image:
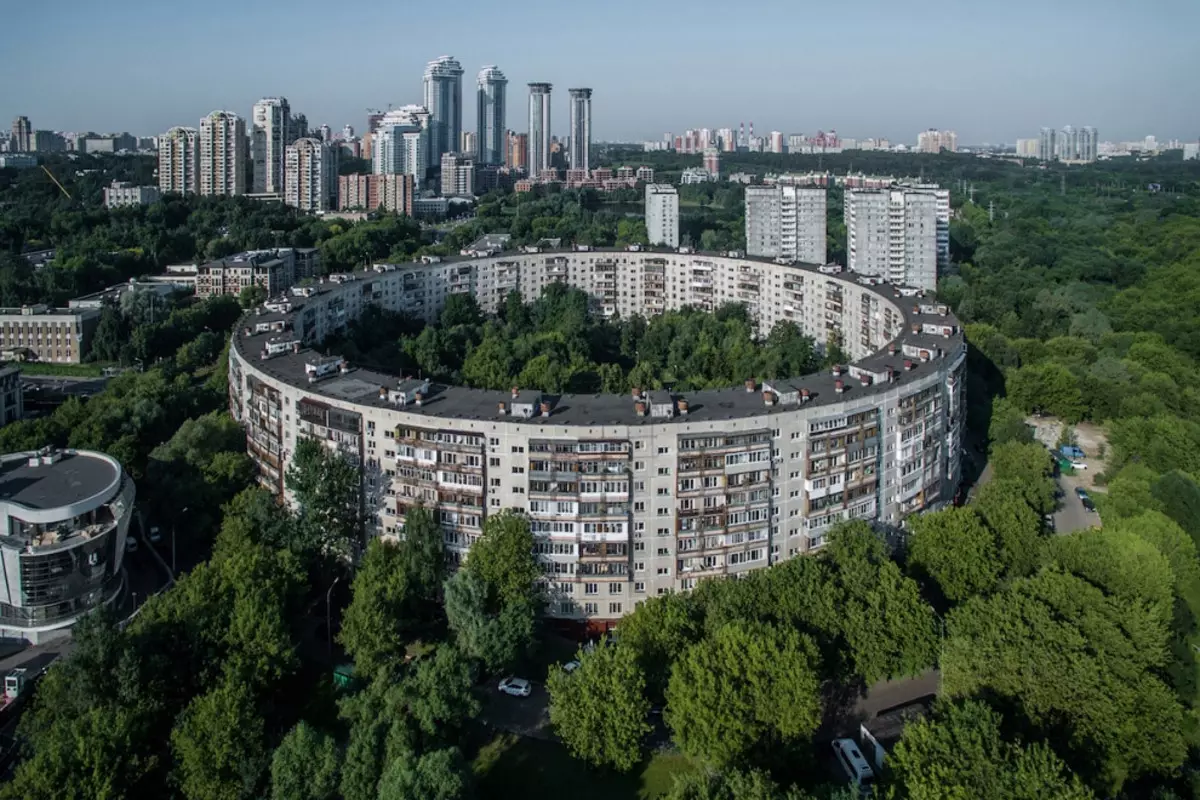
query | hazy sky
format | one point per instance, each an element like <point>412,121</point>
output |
<point>993,72</point>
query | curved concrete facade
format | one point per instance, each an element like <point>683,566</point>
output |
<point>64,516</point>
<point>629,495</point>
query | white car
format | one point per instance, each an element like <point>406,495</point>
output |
<point>155,534</point>
<point>1078,465</point>
<point>517,687</point>
<point>570,666</point>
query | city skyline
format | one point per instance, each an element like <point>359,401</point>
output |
<point>967,75</point>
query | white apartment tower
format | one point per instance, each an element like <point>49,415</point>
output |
<point>892,234</point>
<point>935,141</point>
<point>539,128</point>
<point>786,222</point>
<point>179,161</point>
<point>581,128</point>
<point>310,175</point>
<point>400,144</point>
<point>492,88</point>
<point>270,134</point>
<point>458,175</point>
<point>443,99</point>
<point>1048,144</point>
<point>222,154</point>
<point>662,214</point>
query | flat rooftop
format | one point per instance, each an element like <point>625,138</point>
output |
<point>71,479</point>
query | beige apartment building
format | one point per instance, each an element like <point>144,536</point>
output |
<point>42,333</point>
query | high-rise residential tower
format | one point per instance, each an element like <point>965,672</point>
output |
<point>581,128</point>
<point>22,135</point>
<point>539,128</point>
<point>491,108</point>
<point>786,222</point>
<point>893,234</point>
<point>443,99</point>
<point>222,154</point>
<point>310,179</point>
<point>662,214</point>
<point>1048,144</point>
<point>400,144</point>
<point>518,151</point>
<point>179,161</point>
<point>270,134</point>
<point>1088,144</point>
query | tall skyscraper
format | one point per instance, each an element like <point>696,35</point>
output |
<point>179,161</point>
<point>443,99</point>
<point>491,110</point>
<point>935,141</point>
<point>270,134</point>
<point>786,222</point>
<point>469,144</point>
<point>518,151</point>
<point>539,128</point>
<point>1088,144</point>
<point>1048,144</point>
<point>581,128</point>
<point>712,162</point>
<point>458,175</point>
<point>662,214</point>
<point>223,154</point>
<point>22,135</point>
<point>310,181</point>
<point>775,142</point>
<point>400,144</point>
<point>892,234</point>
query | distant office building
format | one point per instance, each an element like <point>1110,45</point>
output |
<point>580,145</point>
<point>518,151</point>
<point>469,143</point>
<point>222,154</point>
<point>644,174</point>
<point>22,136</point>
<point>695,175</point>
<point>443,99</point>
<point>726,141</point>
<point>1191,151</point>
<point>1027,148</point>
<point>662,214</point>
<point>310,175</point>
<point>17,160</point>
<point>179,161</point>
<point>430,207</point>
<point>775,142</point>
<point>123,193</point>
<point>539,129</point>
<point>892,234</point>
<point>400,144</point>
<point>458,175</point>
<point>270,134</point>
<point>48,142</point>
<point>785,221</point>
<point>44,333</point>
<point>372,192</point>
<point>325,133</point>
<point>1048,144</point>
<point>935,141</point>
<point>491,117</point>
<point>712,162</point>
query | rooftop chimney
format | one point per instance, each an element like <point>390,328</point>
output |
<point>502,410</point>
<point>683,407</point>
<point>908,365</point>
<point>839,387</point>
<point>769,398</point>
<point>751,384</point>
<point>640,408</point>
<point>805,396</point>
<point>516,390</point>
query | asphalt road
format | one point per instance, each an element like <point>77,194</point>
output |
<point>1071,516</point>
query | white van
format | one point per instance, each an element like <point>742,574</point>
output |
<point>853,763</point>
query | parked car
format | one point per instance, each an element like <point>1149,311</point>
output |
<point>1049,520</point>
<point>570,666</point>
<point>155,534</point>
<point>1071,451</point>
<point>1081,493</point>
<point>1088,504</point>
<point>1078,465</point>
<point>517,687</point>
<point>131,544</point>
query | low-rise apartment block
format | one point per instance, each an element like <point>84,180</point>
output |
<point>273,270</point>
<point>43,333</point>
<point>123,193</point>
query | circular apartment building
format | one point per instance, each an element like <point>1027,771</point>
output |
<point>629,495</point>
<point>65,515</point>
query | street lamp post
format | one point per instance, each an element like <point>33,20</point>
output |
<point>329,616</point>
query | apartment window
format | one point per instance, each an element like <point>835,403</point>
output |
<point>518,490</point>
<point>493,462</point>
<point>663,551</point>
<point>639,486</point>
<point>614,608</point>
<point>639,547</point>
<point>639,506</point>
<point>493,481</point>
<point>495,502</point>
<point>664,512</point>
<point>639,587</point>
<point>664,570</point>
<point>493,442</point>
<point>638,465</point>
<point>591,588</point>
<point>639,527</point>
<point>664,491</point>
<point>615,588</point>
<point>590,608</point>
<point>518,470</point>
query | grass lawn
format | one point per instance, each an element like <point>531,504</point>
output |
<point>65,370</point>
<point>510,766</point>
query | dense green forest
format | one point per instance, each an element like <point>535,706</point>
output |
<point>1068,667</point>
<point>559,343</point>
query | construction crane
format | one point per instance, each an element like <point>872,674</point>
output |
<point>56,183</point>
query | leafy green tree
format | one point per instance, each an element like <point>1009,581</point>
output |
<point>742,785</point>
<point>497,639</point>
<point>306,765</point>
<point>658,631</point>
<point>503,558</point>
<point>327,490</point>
<point>957,550</point>
<point>439,693</point>
<point>374,630</point>
<point>252,296</point>
<point>600,709</point>
<point>748,691</point>
<point>437,775</point>
<point>1180,498</point>
<point>1008,423</point>
<point>1029,464</point>
<point>1077,664</point>
<point>1015,525</point>
<point>218,745</point>
<point>961,752</point>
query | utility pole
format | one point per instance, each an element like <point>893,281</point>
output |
<point>991,211</point>
<point>971,194</point>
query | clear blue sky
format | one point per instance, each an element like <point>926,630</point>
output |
<point>993,72</point>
